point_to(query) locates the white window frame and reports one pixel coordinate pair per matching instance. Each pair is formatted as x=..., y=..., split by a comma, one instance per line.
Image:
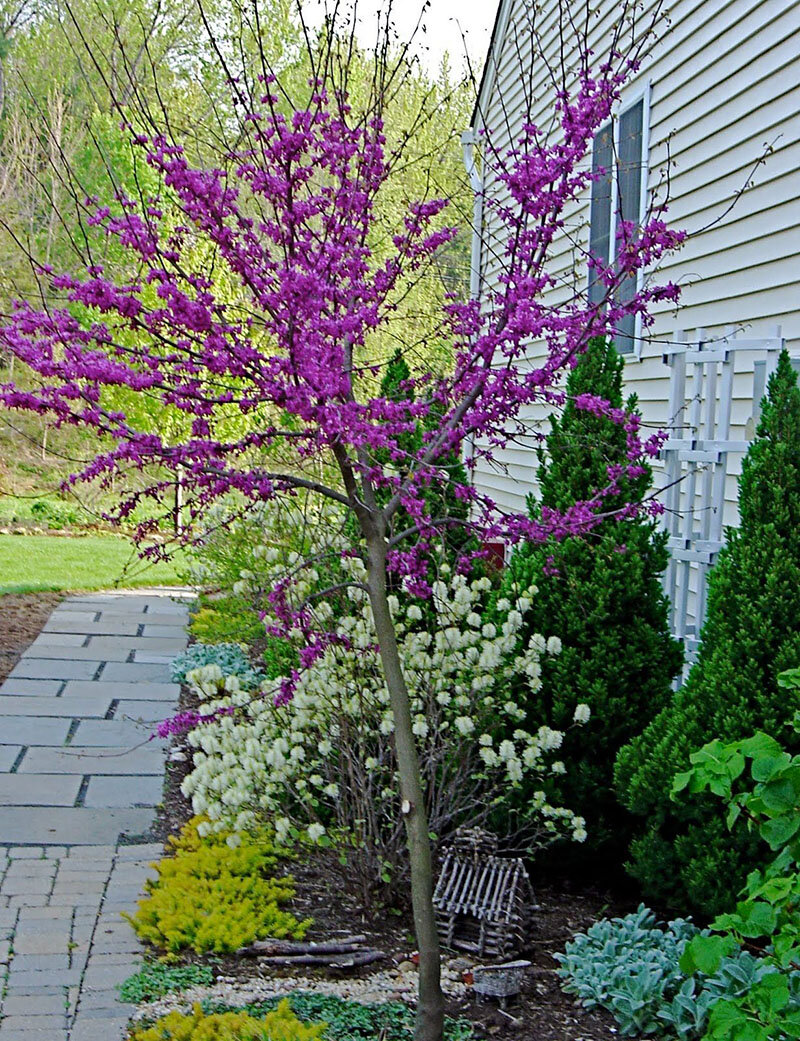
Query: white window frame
x=627, y=101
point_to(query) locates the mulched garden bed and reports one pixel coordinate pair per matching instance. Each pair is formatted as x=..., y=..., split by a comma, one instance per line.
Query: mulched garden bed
x=22, y=616
x=542, y=1012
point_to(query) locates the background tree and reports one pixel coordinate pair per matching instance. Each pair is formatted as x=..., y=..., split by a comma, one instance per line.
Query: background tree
x=81, y=69
x=751, y=634
x=602, y=596
x=292, y=213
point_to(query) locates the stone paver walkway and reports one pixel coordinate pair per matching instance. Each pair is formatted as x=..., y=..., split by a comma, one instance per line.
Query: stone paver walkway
x=79, y=781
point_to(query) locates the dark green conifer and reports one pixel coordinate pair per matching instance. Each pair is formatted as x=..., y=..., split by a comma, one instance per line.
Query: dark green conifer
x=602, y=596
x=751, y=634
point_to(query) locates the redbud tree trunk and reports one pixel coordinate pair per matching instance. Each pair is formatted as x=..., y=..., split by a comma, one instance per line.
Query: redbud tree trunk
x=430, y=1006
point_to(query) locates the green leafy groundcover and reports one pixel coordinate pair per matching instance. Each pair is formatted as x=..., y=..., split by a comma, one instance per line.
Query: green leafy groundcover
x=155, y=979
x=351, y=1021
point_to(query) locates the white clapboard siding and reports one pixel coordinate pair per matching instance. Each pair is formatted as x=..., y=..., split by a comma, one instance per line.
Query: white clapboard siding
x=724, y=91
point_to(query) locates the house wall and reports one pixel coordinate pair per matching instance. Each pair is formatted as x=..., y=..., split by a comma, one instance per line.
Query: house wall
x=723, y=83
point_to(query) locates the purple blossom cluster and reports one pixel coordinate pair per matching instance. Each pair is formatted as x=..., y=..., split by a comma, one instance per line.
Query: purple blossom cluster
x=180, y=724
x=290, y=216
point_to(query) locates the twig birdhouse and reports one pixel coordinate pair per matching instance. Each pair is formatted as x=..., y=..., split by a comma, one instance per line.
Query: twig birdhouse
x=483, y=902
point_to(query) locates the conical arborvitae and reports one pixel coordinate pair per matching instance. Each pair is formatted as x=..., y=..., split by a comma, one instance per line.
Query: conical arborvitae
x=602, y=596
x=686, y=857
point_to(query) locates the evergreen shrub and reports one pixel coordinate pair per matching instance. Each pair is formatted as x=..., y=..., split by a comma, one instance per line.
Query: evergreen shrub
x=685, y=855
x=602, y=595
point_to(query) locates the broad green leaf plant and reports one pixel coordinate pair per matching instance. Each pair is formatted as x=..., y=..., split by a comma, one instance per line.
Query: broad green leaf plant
x=767, y=918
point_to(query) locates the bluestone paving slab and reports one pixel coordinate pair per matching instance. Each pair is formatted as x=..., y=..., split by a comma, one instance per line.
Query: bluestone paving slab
x=70, y=613
x=146, y=691
x=140, y=854
x=75, y=759
x=99, y=628
x=55, y=963
x=103, y=644
x=148, y=711
x=19, y=730
x=31, y=688
x=153, y=617
x=41, y=943
x=43, y=981
x=38, y=790
x=12, y=1025
x=77, y=826
x=59, y=652
x=124, y=791
x=49, y=669
x=27, y=885
x=47, y=1004
x=134, y=672
x=152, y=658
x=169, y=632
x=8, y=756
x=74, y=707
x=61, y=639
x=123, y=733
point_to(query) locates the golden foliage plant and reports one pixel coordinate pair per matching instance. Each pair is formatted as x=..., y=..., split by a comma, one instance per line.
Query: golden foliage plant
x=279, y=1025
x=209, y=896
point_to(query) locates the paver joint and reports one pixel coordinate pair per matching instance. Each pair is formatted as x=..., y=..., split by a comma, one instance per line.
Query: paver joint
x=73, y=783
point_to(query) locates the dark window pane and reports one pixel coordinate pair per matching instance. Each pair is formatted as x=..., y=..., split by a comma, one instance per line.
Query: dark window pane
x=626, y=326
x=629, y=184
x=600, y=218
x=629, y=207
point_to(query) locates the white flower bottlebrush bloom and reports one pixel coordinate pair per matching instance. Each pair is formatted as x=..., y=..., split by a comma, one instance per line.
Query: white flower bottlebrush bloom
x=315, y=832
x=514, y=770
x=506, y=750
x=264, y=759
x=553, y=645
x=582, y=713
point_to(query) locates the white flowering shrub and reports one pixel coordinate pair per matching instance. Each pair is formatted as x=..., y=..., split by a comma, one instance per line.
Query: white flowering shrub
x=324, y=763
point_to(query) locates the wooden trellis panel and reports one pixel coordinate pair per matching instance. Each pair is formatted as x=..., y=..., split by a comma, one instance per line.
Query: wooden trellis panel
x=696, y=463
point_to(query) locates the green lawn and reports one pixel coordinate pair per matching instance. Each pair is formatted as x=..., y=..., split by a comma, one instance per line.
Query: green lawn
x=41, y=563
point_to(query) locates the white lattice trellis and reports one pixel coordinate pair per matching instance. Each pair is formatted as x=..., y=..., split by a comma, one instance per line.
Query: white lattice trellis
x=696, y=461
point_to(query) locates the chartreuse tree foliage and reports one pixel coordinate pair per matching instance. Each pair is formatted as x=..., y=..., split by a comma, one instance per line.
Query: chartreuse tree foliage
x=292, y=213
x=751, y=634
x=601, y=595
x=767, y=916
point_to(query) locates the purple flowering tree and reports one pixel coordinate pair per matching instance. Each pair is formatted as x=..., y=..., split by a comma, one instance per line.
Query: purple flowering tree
x=289, y=217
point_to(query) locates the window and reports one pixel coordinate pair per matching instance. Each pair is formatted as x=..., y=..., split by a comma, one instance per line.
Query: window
x=619, y=149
